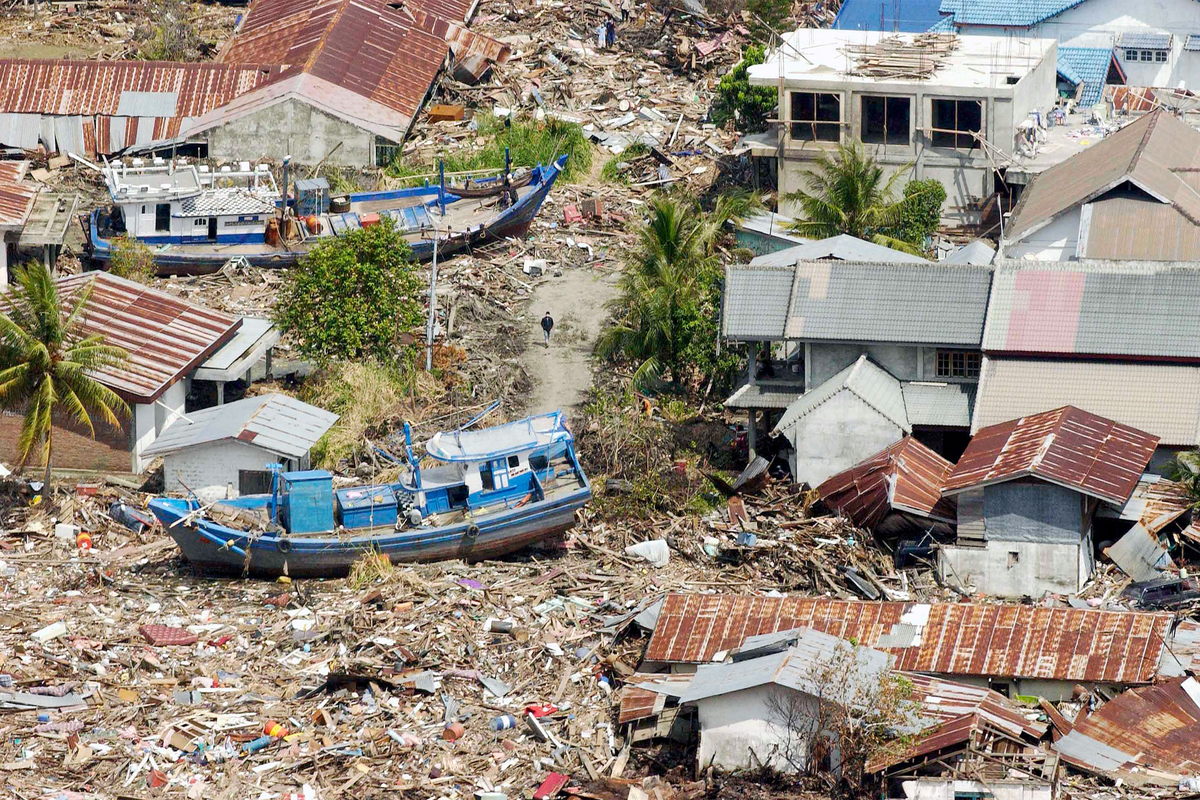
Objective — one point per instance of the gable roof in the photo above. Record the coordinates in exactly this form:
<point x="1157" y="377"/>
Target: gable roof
<point x="275" y="422"/>
<point x="907" y="16"/>
<point x="853" y="301"/>
<point x="16" y="194"/>
<point x="165" y="336"/>
<point x="1006" y="13"/>
<point x="864" y="379"/>
<point x="907" y="476"/>
<point x="1067" y="446"/>
<point x="1086" y="65"/>
<point x="1148" y="154"/>
<point x="1160" y="399"/>
<point x="1114" y="312"/>
<point x="842" y="247"/>
<point x="943" y="638"/>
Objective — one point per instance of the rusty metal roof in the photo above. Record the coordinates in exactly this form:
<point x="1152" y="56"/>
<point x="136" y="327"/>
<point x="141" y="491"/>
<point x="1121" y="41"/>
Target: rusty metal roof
<point x="165" y="336"/>
<point x="1066" y="446"/>
<point x="16" y="194"/>
<point x="949" y="639"/>
<point x="907" y="476"/>
<point x="1148" y="735"/>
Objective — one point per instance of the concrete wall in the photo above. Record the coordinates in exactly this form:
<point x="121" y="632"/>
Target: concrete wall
<point x="837" y="435"/>
<point x="1058" y="241"/>
<point x="291" y="128"/>
<point x="740" y="730"/>
<point x="830" y="359"/>
<point x="211" y="470"/>
<point x="945" y="789"/>
<point x="1035" y="568"/>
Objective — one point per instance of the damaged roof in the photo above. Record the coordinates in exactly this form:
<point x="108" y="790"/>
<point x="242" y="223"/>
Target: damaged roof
<point x="1147" y="735"/>
<point x="16" y="194"/>
<point x="907" y="477"/>
<point x="864" y="379"/>
<point x="165" y="336"/>
<point x="952" y="639"/>
<point x="1149" y="159"/>
<point x="274" y="422"/>
<point x="1067" y="446"/>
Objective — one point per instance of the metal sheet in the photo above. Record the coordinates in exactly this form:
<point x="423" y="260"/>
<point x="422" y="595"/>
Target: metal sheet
<point x="16" y="194"/>
<point x="275" y="422"/>
<point x="1139" y="554"/>
<point x="907" y="476"/>
<point x="148" y="104"/>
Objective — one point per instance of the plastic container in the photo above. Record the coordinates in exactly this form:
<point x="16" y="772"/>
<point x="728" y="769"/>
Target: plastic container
<point x="274" y="730"/>
<point x="503" y="722"/>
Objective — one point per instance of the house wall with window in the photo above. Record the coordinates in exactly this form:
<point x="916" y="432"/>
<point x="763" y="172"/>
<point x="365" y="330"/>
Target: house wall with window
<point x="823" y="360"/>
<point x="947" y="125"/>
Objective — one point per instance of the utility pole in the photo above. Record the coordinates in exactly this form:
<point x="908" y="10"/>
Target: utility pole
<point x="432" y="324"/>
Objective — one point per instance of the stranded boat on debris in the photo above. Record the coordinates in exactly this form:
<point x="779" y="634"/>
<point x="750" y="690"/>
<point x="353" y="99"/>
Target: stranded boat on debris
<point x="196" y="220"/>
<point x="495" y="491"/>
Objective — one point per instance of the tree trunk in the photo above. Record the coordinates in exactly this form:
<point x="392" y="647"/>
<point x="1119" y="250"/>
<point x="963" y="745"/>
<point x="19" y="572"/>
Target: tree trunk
<point x="46" y="493"/>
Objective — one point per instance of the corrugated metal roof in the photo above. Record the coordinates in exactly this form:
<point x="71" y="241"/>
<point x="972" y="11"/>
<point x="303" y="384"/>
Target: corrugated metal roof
<point x="275" y="422"/>
<point x="1067" y="446"/>
<point x="1006" y="13"/>
<point x="1147" y="735"/>
<point x="165" y="336"/>
<point x="838" y="248"/>
<point x="1144" y="154"/>
<point x="939" y="404"/>
<point x="866" y="380"/>
<point x="1161" y="399"/>
<point x="857" y="302"/>
<point x="1086" y="65"/>
<point x="978" y="253"/>
<point x="1139" y="554"/>
<point x="765" y="395"/>
<point x="1138" y="229"/>
<point x="1122" y="311"/>
<point x="644" y="694"/>
<point x="907" y="476"/>
<point x="951" y="639"/>
<point x="16" y="194"/>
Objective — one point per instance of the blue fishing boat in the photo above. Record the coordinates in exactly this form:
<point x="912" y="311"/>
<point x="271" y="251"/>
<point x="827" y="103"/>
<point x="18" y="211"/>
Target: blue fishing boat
<point x="492" y="491"/>
<point x="196" y="220"/>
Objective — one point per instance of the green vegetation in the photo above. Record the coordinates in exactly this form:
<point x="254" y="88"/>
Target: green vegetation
<point x="611" y="172"/>
<point x="665" y="317"/>
<point x="769" y="16"/>
<point x="365" y="395"/>
<point x="1185" y="468"/>
<point x="173" y="35"/>
<point x="847" y="193"/>
<point x="922" y="211"/>
<point x="750" y="106"/>
<point x="131" y="259"/>
<point x="530" y="142"/>
<point x="352" y="297"/>
<point x="45" y="363"/>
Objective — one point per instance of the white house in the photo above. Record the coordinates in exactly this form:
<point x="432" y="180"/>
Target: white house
<point x="222" y="452"/>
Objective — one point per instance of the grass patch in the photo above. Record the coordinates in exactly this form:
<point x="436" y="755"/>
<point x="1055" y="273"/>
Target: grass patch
<point x="530" y="142"/>
<point x="612" y="174"/>
<point x="371" y="567"/>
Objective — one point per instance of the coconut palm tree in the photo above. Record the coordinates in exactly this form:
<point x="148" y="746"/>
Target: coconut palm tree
<point x="46" y="363"/>
<point x="847" y="193"/>
<point x="662" y="285"/>
<point x="1185" y="469"/>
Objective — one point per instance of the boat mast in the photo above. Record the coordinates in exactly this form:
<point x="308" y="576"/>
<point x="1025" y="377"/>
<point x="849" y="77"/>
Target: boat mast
<point x="429" y="327"/>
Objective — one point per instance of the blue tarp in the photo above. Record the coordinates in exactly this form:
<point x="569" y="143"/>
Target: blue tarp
<point x="906" y="16"/>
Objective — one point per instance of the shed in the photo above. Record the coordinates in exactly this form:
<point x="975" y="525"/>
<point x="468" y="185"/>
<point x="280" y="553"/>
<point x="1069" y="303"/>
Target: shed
<point x="223" y="452"/>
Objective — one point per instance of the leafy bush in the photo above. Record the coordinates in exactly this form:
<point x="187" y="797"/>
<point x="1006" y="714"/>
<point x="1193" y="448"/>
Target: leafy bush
<point x="750" y="106"/>
<point x="131" y="259"/>
<point x="364" y="395"/>
<point x="922" y="210"/>
<point x="769" y="16"/>
<point x="529" y="141"/>
<point x="352" y="296"/>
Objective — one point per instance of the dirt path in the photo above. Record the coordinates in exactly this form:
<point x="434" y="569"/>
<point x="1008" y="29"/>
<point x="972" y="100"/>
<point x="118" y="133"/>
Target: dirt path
<point x="562" y="373"/>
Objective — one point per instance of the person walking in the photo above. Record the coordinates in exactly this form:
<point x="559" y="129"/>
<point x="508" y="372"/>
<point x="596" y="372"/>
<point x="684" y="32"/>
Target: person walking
<point x="547" y="326"/>
<point x="626" y="5"/>
<point x="611" y="33"/>
<point x="601" y="35"/>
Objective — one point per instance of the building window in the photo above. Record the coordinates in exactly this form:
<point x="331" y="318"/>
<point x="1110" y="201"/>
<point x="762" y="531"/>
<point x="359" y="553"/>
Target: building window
<point x="885" y="120"/>
<point x="957" y="364"/>
<point x="162" y="217"/>
<point x="956" y="123"/>
<point x="816" y="117"/>
<point x="1132" y="55"/>
<point x="1160" y="56"/>
<point x="385" y="152"/>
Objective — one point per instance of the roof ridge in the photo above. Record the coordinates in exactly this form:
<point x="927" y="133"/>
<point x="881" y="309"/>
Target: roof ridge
<point x="311" y="61"/>
<point x="1145" y="140"/>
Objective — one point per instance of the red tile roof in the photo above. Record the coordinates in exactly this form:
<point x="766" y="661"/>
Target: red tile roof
<point x="16" y="194"/>
<point x="952" y="639"/>
<point x="165" y="336"/>
<point x="1067" y="446"/>
<point x="907" y="476"/>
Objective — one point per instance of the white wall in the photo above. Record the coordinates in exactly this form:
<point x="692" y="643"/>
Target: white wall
<point x="291" y="128"/>
<point x="938" y="789"/>
<point x="1058" y="241"/>
<point x="740" y="730"/>
<point x="836" y="435"/>
<point x="211" y="470"/>
<point x="144" y="434"/>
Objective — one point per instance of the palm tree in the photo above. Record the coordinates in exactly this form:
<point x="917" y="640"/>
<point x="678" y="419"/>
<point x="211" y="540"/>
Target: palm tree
<point x="662" y="285"/>
<point x="1185" y="469"/>
<point x="46" y="364"/>
<point x="848" y="194"/>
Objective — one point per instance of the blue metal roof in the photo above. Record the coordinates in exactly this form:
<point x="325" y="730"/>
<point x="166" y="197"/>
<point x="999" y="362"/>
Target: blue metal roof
<point x="905" y="16"/>
<point x="1008" y="13"/>
<point x="1086" y="65"/>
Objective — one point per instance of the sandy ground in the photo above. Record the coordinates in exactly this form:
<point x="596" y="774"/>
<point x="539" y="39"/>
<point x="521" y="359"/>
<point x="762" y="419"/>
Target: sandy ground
<point x="562" y="373"/>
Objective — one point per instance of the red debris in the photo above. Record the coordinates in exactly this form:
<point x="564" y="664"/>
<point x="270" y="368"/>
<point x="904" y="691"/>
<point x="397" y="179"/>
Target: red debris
<point x="553" y="784"/>
<point x="165" y="635"/>
<point x="571" y="215"/>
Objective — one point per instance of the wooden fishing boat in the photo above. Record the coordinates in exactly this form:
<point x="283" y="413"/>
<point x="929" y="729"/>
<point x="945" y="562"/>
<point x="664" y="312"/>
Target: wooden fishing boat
<point x="196" y="220"/>
<point x="494" y="491"/>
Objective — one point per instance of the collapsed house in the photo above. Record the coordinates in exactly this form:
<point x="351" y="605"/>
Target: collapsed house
<point x="330" y="81"/>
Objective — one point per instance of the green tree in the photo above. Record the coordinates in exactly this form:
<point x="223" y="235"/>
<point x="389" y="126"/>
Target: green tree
<point x="47" y="364"/>
<point x="352" y="296"/>
<point x="1185" y="468"/>
<point x="848" y="193"/>
<point x="668" y="284"/>
<point x="131" y="259"/>
<point x="922" y="210"/>
<point x="769" y="16"/>
<point x="750" y="106"/>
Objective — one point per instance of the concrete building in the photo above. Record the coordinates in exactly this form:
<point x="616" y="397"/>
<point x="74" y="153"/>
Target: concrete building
<point x="222" y="452"/>
<point x="861" y="354"/>
<point x="1028" y="491"/>
<point x="946" y="105"/>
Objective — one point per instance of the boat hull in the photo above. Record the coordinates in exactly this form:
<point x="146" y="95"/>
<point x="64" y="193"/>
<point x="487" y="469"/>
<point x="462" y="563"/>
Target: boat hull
<point x="498" y="534"/>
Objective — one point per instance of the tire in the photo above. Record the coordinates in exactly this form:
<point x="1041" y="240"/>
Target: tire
<point x="472" y="531"/>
